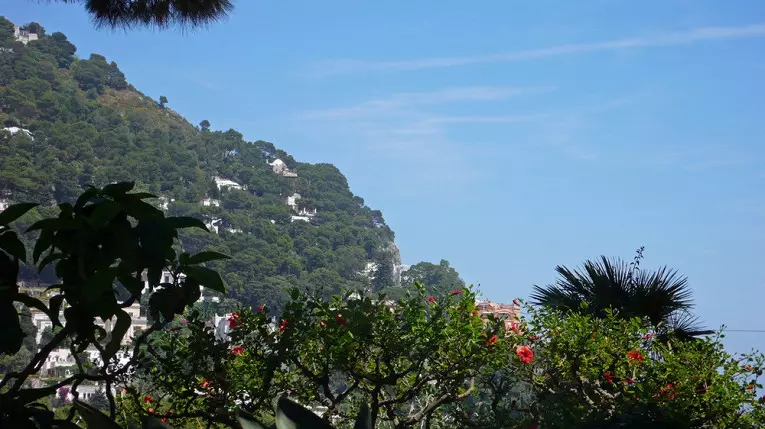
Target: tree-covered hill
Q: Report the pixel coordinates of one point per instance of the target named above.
(71, 122)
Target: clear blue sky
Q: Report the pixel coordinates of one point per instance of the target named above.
(506, 137)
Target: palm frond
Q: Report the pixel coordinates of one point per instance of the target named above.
(158, 13)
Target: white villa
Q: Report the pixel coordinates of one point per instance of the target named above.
(222, 183)
(16, 130)
(207, 202)
(279, 167)
(23, 36)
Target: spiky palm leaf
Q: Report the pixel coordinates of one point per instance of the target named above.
(159, 13)
(662, 296)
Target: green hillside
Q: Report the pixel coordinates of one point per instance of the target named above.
(75, 122)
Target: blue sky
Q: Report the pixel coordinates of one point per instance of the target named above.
(506, 137)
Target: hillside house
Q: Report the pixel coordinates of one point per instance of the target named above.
(4, 203)
(16, 130)
(208, 202)
(279, 167)
(509, 313)
(222, 183)
(23, 36)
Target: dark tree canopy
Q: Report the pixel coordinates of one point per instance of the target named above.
(155, 13)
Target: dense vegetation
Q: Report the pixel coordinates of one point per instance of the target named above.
(90, 127)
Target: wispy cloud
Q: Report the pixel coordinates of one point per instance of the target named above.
(403, 102)
(695, 35)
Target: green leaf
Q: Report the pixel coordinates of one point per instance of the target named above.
(10, 242)
(151, 422)
(83, 199)
(15, 211)
(118, 189)
(202, 257)
(185, 222)
(118, 332)
(291, 415)
(11, 334)
(48, 259)
(104, 213)
(94, 418)
(43, 243)
(247, 421)
(206, 277)
(54, 224)
(364, 419)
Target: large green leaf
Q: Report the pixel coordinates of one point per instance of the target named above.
(11, 334)
(247, 421)
(15, 211)
(43, 243)
(104, 213)
(10, 242)
(94, 418)
(206, 277)
(117, 189)
(291, 415)
(185, 222)
(203, 257)
(118, 332)
(364, 419)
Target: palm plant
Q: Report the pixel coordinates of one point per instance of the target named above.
(159, 13)
(661, 296)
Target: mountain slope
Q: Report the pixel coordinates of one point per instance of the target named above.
(72, 122)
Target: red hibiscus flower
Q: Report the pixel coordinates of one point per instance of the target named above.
(525, 354)
(431, 299)
(492, 340)
(457, 292)
(635, 356)
(516, 302)
(534, 337)
(648, 336)
(236, 351)
(147, 399)
(283, 326)
(260, 308)
(205, 384)
(233, 320)
(628, 380)
(164, 419)
(151, 410)
(339, 319)
(762, 400)
(608, 376)
(322, 324)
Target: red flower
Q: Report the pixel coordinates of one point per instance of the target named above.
(322, 324)
(515, 326)
(283, 326)
(205, 384)
(151, 410)
(339, 319)
(635, 356)
(515, 302)
(628, 380)
(431, 299)
(474, 313)
(492, 340)
(608, 376)
(260, 308)
(534, 337)
(750, 387)
(147, 399)
(457, 292)
(233, 320)
(164, 419)
(749, 368)
(236, 351)
(525, 354)
(762, 400)
(124, 390)
(648, 336)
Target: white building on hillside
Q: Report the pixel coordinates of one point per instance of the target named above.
(207, 202)
(222, 183)
(16, 130)
(23, 36)
(279, 167)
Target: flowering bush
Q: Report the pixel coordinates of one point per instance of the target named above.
(590, 372)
